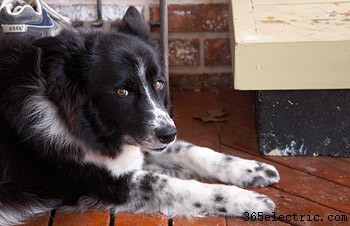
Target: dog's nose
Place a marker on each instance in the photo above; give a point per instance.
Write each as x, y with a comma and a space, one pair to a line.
166, 134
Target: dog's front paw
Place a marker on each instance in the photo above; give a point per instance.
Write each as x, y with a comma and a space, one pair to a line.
239, 202
260, 174
249, 173
192, 198
260, 204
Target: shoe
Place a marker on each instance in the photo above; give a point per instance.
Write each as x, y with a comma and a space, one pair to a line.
30, 17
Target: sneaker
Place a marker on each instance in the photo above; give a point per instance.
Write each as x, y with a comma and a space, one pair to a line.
30, 17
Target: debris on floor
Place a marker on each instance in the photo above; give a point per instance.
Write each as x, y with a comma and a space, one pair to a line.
214, 115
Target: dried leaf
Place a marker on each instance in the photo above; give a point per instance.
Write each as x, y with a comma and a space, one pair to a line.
215, 115
219, 112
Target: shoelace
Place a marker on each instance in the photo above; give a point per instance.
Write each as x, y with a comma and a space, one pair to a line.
53, 13
17, 7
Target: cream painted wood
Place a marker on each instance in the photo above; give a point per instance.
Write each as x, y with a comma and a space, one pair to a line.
290, 44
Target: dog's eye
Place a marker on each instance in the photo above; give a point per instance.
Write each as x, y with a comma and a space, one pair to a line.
158, 85
122, 92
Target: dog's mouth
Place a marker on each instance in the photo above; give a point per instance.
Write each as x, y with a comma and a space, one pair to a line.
154, 141
154, 149
158, 149
149, 145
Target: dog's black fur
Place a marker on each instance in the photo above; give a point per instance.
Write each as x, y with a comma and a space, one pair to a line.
74, 103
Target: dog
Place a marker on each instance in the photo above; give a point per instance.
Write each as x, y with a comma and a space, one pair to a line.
86, 123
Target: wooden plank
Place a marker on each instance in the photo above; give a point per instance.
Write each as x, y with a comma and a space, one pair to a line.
82, 219
196, 221
305, 185
303, 22
237, 97
331, 195
127, 219
242, 24
290, 22
187, 104
241, 116
346, 160
239, 137
239, 106
243, 222
299, 211
329, 168
41, 220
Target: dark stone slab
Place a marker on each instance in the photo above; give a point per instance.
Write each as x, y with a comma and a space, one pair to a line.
304, 122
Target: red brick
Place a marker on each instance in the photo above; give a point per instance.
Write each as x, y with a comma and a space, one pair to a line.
195, 17
154, 13
217, 52
200, 82
184, 52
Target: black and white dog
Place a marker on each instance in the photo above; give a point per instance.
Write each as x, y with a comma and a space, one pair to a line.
85, 124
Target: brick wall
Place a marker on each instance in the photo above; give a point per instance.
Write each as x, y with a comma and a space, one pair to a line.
199, 47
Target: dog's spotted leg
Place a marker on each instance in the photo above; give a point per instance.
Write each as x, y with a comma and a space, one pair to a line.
188, 161
150, 192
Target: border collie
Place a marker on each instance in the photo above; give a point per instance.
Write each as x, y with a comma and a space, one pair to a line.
85, 123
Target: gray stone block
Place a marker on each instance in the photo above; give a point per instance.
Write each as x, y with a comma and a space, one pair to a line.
312, 122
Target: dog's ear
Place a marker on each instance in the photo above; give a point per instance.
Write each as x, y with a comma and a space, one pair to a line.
63, 52
67, 42
61, 63
133, 23
62, 59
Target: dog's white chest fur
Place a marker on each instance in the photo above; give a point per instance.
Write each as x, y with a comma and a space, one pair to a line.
130, 159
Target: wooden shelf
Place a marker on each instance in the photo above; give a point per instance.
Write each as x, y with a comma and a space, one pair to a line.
290, 44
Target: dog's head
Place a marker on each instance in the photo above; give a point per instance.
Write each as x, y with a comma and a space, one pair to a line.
109, 88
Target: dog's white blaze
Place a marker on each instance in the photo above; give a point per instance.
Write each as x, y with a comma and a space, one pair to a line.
161, 117
130, 159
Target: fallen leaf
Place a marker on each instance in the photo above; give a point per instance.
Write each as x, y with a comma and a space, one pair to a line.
217, 112
215, 115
